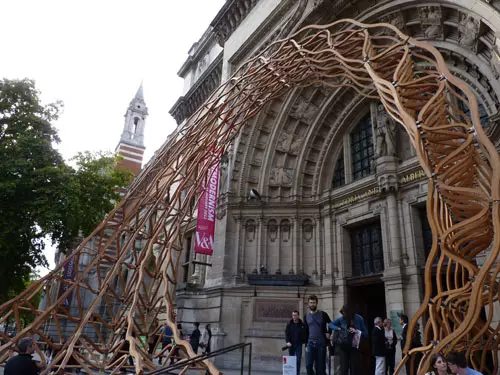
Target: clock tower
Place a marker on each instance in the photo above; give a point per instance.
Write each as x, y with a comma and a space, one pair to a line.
131, 146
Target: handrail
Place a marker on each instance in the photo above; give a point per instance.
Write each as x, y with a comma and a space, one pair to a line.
199, 358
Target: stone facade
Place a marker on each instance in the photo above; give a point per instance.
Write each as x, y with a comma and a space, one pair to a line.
342, 213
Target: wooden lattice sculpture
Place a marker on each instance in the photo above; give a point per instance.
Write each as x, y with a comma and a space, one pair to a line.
411, 79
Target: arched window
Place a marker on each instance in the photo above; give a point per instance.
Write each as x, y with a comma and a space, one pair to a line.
136, 123
339, 172
362, 149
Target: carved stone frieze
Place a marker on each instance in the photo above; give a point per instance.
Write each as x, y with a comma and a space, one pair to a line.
288, 142
396, 19
229, 18
431, 20
469, 31
304, 111
280, 176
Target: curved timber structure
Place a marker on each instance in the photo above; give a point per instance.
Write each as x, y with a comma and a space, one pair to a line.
440, 114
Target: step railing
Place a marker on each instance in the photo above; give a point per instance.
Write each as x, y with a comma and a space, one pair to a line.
169, 370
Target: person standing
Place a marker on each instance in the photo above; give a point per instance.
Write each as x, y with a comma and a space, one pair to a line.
403, 319
355, 324
458, 364
166, 340
206, 337
23, 363
378, 346
296, 335
318, 333
391, 340
194, 339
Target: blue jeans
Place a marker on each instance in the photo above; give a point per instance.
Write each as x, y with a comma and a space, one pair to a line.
296, 350
316, 355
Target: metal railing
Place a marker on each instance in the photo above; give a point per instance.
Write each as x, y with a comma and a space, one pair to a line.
199, 358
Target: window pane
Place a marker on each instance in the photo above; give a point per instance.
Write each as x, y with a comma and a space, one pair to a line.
366, 249
362, 148
339, 174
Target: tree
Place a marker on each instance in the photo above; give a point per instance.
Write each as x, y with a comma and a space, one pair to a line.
41, 195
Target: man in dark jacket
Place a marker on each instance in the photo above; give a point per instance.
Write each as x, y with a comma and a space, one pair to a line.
317, 338
22, 363
296, 335
378, 346
194, 339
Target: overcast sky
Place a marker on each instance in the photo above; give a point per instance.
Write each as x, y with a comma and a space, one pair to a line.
94, 54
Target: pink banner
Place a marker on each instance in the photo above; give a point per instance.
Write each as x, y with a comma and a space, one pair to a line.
205, 222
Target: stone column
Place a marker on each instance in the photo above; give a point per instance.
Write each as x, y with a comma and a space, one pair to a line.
258, 253
328, 239
394, 231
238, 245
263, 243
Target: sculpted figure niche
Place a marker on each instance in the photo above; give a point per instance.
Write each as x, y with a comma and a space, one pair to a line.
469, 30
385, 133
430, 19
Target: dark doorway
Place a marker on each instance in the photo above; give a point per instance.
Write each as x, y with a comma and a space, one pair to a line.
368, 300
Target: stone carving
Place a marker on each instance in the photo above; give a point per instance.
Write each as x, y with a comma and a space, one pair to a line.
285, 230
224, 161
250, 230
469, 30
495, 61
288, 142
304, 111
273, 230
385, 134
280, 176
308, 230
431, 21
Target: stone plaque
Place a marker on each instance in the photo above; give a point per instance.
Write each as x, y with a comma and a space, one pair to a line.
272, 310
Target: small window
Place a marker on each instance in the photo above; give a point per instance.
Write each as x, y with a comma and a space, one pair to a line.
339, 172
362, 149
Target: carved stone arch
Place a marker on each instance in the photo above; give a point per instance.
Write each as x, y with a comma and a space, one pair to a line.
345, 124
393, 12
281, 118
300, 113
308, 143
245, 146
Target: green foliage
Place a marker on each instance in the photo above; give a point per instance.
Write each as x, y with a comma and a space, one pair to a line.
41, 195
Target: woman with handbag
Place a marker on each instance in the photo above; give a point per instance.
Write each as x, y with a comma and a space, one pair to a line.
348, 330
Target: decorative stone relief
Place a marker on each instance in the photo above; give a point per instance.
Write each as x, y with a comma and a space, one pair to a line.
308, 230
469, 31
304, 111
385, 134
495, 59
272, 230
288, 142
431, 21
285, 230
280, 176
250, 230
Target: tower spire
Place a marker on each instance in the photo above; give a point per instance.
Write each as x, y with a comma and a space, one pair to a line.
131, 145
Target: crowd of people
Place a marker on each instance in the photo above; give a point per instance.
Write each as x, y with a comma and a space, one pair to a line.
343, 337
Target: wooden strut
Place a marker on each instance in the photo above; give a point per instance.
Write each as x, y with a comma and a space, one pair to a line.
128, 265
